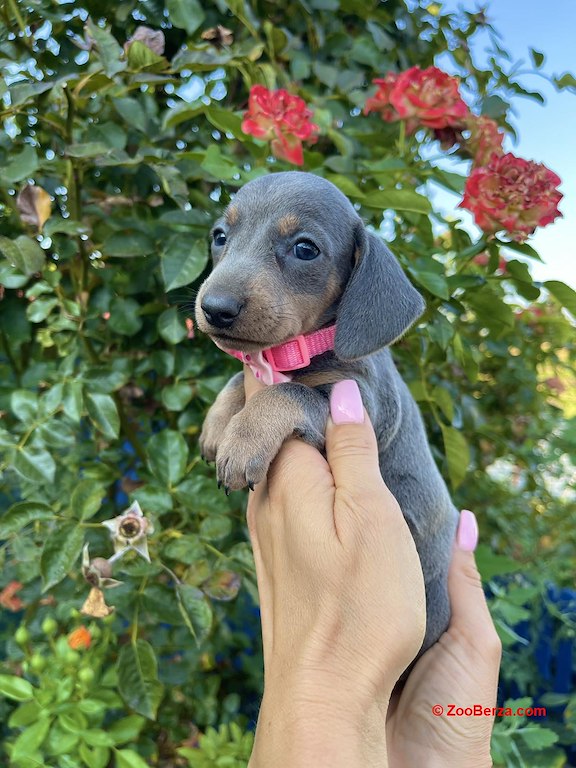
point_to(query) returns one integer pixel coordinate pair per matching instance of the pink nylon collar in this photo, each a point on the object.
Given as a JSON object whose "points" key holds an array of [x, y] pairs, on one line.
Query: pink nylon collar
{"points": [[269, 365]]}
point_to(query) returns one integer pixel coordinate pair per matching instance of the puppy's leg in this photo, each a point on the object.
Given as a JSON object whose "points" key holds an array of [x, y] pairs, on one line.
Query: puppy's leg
{"points": [[229, 402], [255, 435]]}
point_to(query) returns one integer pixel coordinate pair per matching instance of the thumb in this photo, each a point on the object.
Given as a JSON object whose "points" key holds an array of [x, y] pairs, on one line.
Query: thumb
{"points": [[351, 446], [469, 608]]}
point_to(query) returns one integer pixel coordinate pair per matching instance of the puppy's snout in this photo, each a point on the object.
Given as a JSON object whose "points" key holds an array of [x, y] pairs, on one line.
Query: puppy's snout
{"points": [[220, 310]]}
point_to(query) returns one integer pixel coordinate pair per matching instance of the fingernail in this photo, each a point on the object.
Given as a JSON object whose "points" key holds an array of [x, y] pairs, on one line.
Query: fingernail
{"points": [[346, 403], [467, 535]]}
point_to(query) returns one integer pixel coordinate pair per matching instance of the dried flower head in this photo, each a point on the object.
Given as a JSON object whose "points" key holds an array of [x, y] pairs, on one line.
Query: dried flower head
{"points": [[95, 605], [97, 572], [218, 36], [130, 531]]}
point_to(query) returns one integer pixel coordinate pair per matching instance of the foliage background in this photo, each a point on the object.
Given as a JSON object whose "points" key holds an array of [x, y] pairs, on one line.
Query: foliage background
{"points": [[102, 392]]}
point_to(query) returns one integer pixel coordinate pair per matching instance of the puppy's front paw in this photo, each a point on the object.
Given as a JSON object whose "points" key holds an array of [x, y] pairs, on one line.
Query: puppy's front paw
{"points": [[244, 455]]}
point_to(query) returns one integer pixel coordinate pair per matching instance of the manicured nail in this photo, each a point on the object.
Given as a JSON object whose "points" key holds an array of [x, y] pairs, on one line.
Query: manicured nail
{"points": [[346, 403], [467, 535]]}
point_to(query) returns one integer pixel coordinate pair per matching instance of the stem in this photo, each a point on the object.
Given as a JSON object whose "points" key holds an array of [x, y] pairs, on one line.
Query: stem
{"points": [[20, 21]]}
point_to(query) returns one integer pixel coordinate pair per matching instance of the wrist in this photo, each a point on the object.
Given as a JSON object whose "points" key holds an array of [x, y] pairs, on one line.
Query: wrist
{"points": [[298, 727]]}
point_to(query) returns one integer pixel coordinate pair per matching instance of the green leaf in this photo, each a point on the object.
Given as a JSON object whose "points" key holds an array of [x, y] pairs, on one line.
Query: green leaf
{"points": [[490, 564], [40, 308], [565, 295], [495, 107], [215, 527], [196, 611], [225, 120], [95, 757], [182, 261], [16, 688], [109, 50], [537, 737], [126, 729], [132, 112], [86, 499], [35, 464], [88, 150], [218, 165], [171, 326], [72, 400], [167, 456], [537, 57], [30, 739], [61, 551], [25, 714], [432, 281], [397, 200], [173, 183], [125, 316], [126, 245], [567, 80], [21, 515], [185, 14], [24, 253], [138, 682], [176, 396], [457, 454], [127, 758], [24, 404], [142, 57], [20, 167], [103, 413]]}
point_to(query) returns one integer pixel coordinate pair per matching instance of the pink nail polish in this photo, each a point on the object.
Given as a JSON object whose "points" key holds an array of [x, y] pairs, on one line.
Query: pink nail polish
{"points": [[346, 403], [467, 534]]}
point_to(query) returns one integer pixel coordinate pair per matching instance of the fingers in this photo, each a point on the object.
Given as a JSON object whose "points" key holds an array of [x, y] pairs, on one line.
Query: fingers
{"points": [[470, 614], [351, 447]]}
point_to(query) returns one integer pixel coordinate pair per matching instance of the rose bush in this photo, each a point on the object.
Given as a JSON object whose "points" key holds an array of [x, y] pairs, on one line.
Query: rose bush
{"points": [[123, 140]]}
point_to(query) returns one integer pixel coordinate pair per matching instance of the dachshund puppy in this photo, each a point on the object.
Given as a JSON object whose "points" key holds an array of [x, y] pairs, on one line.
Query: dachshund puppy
{"points": [[303, 293]]}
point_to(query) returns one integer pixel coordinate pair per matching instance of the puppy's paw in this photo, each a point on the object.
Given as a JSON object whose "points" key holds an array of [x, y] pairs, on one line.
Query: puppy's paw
{"points": [[244, 455], [215, 423]]}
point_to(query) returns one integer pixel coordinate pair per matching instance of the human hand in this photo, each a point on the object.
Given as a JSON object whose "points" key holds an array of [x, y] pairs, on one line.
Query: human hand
{"points": [[460, 669], [341, 596]]}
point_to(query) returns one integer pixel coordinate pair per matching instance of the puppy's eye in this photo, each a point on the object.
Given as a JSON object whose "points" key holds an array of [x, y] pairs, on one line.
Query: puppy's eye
{"points": [[306, 250], [219, 237]]}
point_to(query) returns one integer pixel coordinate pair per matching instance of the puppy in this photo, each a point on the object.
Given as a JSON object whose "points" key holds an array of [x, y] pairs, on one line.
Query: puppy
{"points": [[303, 293]]}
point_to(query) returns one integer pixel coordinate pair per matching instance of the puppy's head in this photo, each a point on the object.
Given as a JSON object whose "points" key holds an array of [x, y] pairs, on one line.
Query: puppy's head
{"points": [[290, 256]]}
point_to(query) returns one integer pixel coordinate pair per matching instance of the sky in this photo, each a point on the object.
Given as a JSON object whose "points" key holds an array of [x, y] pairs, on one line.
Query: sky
{"points": [[546, 133]]}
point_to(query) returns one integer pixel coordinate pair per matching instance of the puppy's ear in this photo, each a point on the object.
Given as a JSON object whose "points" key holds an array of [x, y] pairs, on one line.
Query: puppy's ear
{"points": [[379, 303]]}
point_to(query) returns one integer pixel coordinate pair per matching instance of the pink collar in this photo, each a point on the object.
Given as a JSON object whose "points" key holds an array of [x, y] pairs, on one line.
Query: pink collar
{"points": [[268, 364]]}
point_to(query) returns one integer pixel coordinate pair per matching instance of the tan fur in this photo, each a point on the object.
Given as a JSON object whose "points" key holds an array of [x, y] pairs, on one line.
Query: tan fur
{"points": [[289, 224], [232, 215]]}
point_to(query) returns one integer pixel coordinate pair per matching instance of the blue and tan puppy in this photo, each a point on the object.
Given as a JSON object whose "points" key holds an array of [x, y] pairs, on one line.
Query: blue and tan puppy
{"points": [[292, 257]]}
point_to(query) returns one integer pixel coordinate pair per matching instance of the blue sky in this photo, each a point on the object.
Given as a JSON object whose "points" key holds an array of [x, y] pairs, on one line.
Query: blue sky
{"points": [[546, 134]]}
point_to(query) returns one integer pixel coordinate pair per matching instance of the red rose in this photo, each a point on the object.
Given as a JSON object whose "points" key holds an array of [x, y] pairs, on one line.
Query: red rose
{"points": [[512, 194], [427, 97], [283, 119], [485, 139], [380, 102]]}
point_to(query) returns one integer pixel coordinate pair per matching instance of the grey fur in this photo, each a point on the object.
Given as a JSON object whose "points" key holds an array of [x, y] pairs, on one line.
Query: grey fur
{"points": [[356, 282]]}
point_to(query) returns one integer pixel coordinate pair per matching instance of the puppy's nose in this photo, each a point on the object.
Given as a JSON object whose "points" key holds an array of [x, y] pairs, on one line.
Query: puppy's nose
{"points": [[220, 310]]}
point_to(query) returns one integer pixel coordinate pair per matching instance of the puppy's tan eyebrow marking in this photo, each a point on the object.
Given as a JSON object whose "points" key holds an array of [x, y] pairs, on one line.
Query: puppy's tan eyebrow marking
{"points": [[288, 224], [232, 214]]}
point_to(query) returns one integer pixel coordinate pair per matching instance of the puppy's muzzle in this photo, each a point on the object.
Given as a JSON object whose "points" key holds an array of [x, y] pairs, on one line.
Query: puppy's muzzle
{"points": [[221, 309]]}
